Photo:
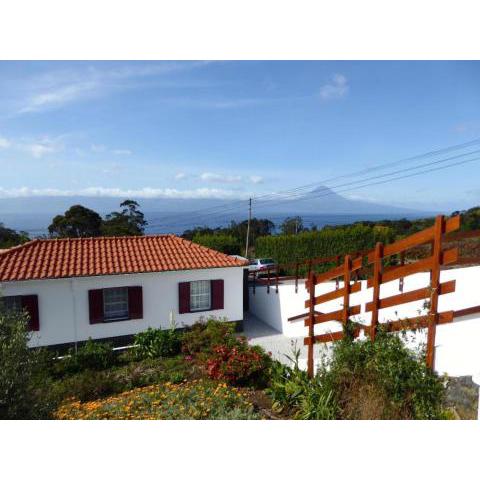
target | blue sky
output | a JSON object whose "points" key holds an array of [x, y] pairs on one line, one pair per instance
{"points": [[233, 129]]}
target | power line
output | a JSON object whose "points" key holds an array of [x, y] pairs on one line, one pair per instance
{"points": [[328, 190], [234, 205]]}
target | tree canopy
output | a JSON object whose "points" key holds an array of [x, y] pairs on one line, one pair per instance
{"points": [[10, 238], [130, 221], [78, 221], [292, 225]]}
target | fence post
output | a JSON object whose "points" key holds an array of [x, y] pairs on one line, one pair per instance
{"points": [[357, 254], [347, 270], [254, 282], [434, 284], [377, 280], [337, 259], [296, 277], [276, 279], [402, 263], [311, 324], [268, 279]]}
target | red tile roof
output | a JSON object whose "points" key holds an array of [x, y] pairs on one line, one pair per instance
{"points": [[82, 257]]}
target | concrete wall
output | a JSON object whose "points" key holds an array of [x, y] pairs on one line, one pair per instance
{"points": [[457, 351], [63, 303]]}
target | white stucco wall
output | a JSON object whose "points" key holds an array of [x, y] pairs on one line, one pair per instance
{"points": [[64, 311], [457, 351]]}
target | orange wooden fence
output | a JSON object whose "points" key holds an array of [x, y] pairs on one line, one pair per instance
{"points": [[381, 274]]}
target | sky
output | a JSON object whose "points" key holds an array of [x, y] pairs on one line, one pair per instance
{"points": [[230, 130]]}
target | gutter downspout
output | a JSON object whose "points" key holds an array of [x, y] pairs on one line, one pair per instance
{"points": [[74, 316]]}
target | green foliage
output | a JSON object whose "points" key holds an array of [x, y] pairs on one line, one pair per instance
{"points": [[293, 392], [78, 221], [470, 218], [157, 343], [220, 242], [259, 227], [130, 221], [91, 384], [382, 379], [206, 334], [292, 226], [196, 399], [238, 364], [323, 243], [22, 372], [10, 238], [90, 356]]}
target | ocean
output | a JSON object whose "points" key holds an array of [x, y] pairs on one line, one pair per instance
{"points": [[168, 222]]}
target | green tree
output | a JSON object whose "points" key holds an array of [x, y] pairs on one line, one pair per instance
{"points": [[292, 226], [130, 221], [24, 393], [78, 221], [10, 238], [220, 242]]}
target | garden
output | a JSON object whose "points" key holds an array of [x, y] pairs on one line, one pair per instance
{"points": [[207, 371]]}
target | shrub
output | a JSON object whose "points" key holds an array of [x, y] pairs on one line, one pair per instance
{"points": [[238, 364], [23, 371], [204, 335], [293, 392], [381, 379], [220, 242], [90, 356], [91, 384], [157, 343]]}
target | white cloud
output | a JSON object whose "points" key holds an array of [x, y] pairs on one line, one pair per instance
{"points": [[4, 143], [61, 87], [121, 151], [181, 176], [256, 179], [146, 192], [98, 148], [337, 88], [219, 178], [59, 96], [42, 147]]}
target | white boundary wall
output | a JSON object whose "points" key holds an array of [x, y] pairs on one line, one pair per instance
{"points": [[457, 344]]}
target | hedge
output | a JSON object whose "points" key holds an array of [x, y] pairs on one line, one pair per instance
{"points": [[323, 243], [220, 242]]}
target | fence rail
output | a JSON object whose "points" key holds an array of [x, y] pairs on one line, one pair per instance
{"points": [[349, 268]]}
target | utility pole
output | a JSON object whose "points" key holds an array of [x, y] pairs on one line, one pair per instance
{"points": [[248, 225]]}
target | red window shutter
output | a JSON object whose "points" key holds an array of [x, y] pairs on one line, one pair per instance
{"points": [[216, 288], [30, 304], [135, 302], [184, 297], [95, 305]]}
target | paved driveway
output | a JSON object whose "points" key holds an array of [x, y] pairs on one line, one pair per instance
{"points": [[259, 333]]}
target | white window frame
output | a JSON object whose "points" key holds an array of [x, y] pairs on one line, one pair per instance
{"points": [[123, 314], [200, 295]]}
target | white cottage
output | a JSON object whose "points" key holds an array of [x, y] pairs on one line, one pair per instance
{"points": [[114, 287]]}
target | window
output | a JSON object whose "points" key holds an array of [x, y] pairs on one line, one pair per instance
{"points": [[266, 261], [115, 303], [12, 303], [200, 295]]}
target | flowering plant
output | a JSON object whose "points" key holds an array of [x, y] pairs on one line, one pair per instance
{"points": [[239, 364]]}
